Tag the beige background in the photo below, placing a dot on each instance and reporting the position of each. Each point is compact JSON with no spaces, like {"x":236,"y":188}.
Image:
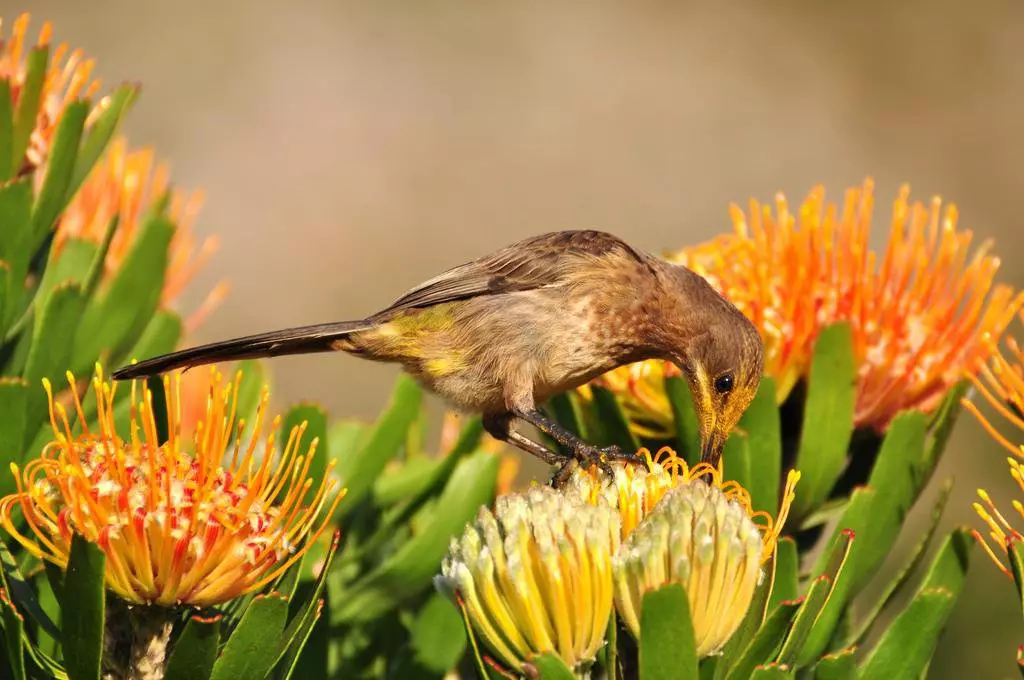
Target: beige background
{"x":350,"y":150}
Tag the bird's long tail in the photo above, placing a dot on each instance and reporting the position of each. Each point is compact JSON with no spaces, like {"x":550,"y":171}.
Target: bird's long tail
{"x":301,"y":340}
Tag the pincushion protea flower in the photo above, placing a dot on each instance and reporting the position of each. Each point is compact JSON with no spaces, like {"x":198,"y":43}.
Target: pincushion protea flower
{"x":1001,"y":385}
{"x":922,"y":312}
{"x":179,"y":524}
{"x":534,"y":576}
{"x":699,"y":537}
{"x":636,"y":491}
{"x":125,"y":184}
{"x":69,"y":77}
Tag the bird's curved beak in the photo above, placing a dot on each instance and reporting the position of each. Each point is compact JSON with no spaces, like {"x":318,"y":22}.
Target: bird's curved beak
{"x":712,"y":450}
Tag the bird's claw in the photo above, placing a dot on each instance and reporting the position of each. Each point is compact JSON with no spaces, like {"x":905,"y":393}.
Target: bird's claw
{"x":603,"y":456}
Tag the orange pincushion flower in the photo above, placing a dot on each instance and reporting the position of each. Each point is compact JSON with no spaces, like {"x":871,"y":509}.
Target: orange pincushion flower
{"x":179,"y":524}
{"x":923,"y":312}
{"x":1001,"y":384}
{"x":67,"y":78}
{"x":125,"y":184}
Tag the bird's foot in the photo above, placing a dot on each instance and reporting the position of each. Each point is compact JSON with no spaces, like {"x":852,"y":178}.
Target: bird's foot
{"x":589,"y":455}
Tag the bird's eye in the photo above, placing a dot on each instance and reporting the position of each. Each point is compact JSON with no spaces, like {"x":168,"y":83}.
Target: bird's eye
{"x":723,"y":383}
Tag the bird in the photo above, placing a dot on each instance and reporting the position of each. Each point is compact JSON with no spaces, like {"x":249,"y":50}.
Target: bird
{"x":499,"y":335}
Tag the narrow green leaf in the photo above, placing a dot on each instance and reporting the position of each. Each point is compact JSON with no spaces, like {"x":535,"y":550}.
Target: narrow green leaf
{"x":302,"y":622}
{"x":99,"y":261}
{"x":411,"y":479}
{"x":437,"y":637}
{"x":805,"y":618}
{"x":786,"y":573}
{"x":841,"y":665}
{"x":359,"y":472}
{"x":6,"y":130}
{"x":28,"y":103}
{"x":940,"y":429}
{"x":411,"y":568}
{"x":610,"y":653}
{"x":902,"y":452}
{"x":736,"y":459}
{"x":1015,"y":553}
{"x":907,"y":645}
{"x":22,"y":593}
{"x":252,"y":649}
{"x":345,"y":437}
{"x":762,"y":649}
{"x":51,"y":349}
{"x":195,"y":650}
{"x":668,"y":648}
{"x":54,"y":195}
{"x":69,"y":264}
{"x":116,"y":319}
{"x":16,"y":245}
{"x":901,"y":578}
{"x":613,"y":420}
{"x":302,"y":637}
{"x":685,"y":416}
{"x":548,"y":667}
{"x":828,"y":417}
{"x":467,"y":627}
{"x":948,"y":569}
{"x":101,"y":131}
{"x":837,"y":563}
{"x":83,"y":610}
{"x":751,"y":623}
{"x":762,"y":425}
{"x":14,"y":630}
{"x":288,"y":582}
{"x":162,"y":334}
{"x":771,"y":672}
{"x":13,"y":404}
{"x":313,"y":439}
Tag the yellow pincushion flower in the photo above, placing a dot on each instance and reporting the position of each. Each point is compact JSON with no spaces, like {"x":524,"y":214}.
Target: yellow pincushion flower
{"x":534,"y":576}
{"x":922,"y":311}
{"x":1001,"y":385}
{"x":180,"y":523}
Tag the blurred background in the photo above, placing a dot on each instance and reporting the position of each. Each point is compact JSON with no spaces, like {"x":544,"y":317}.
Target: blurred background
{"x":349,"y":150}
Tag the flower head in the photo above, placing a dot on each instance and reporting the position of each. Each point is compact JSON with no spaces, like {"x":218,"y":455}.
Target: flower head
{"x":534,"y":576}
{"x":126,"y":184}
{"x":635,"y":492}
{"x":68,"y":77}
{"x":180,"y":524}
{"x":922,"y":312}
{"x":697,"y":536}
{"x":1001,"y":385}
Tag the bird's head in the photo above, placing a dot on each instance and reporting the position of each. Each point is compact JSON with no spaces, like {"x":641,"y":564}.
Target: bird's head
{"x":723,"y":366}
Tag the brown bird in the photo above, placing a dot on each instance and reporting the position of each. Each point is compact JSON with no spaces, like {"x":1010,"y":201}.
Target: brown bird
{"x":499,"y":335}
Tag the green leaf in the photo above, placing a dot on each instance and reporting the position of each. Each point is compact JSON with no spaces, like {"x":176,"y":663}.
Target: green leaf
{"x":467,"y":627}
{"x":762,"y":425}
{"x":69,"y":264}
{"x":941,"y":427}
{"x":411,"y":568}
{"x":116,"y":319}
{"x":901,"y":453}
{"x":302,"y":637}
{"x":564,"y":409}
{"x":359,"y":472}
{"x":736,"y":459}
{"x":828,"y":417}
{"x":302,"y":622}
{"x":1015,"y":552}
{"x":83,"y":610}
{"x":548,"y":667}
{"x":841,"y":665}
{"x":948,"y":569}
{"x":54,"y":194}
{"x":16,"y":244}
{"x":901,"y":578}
{"x":907,"y":645}
{"x":836,"y":562}
{"x":411,"y":479}
{"x":314,"y":435}
{"x":613,"y":421}
{"x":6,"y":130}
{"x":609,"y":654}
{"x":437,"y":637}
{"x":805,"y":619}
{"x":158,"y":398}
{"x":771,"y":672}
{"x":195,"y":650}
{"x":101,"y":131}
{"x":685,"y":416}
{"x":345,"y":436}
{"x":252,"y":649}
{"x":51,"y":349}
{"x":28,"y":103}
{"x":667,"y":645}
{"x":14,"y":629}
{"x":22,"y":593}
{"x":786,"y":573}
{"x":13,"y":404}
{"x":766,"y":642}
{"x":162,"y":334}
{"x":751,"y":623}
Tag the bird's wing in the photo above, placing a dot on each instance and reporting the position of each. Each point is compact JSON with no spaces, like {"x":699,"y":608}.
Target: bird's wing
{"x":533,"y":263}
